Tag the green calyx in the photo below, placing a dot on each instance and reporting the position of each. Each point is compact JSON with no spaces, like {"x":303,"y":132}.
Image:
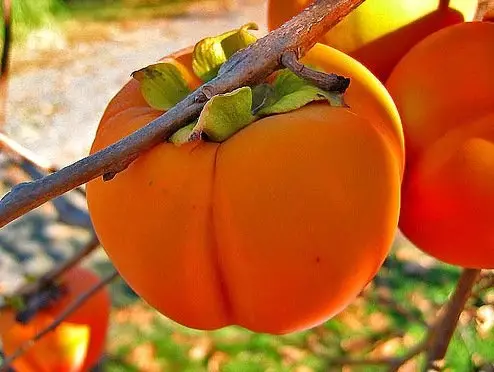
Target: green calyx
{"x":211,"y":52}
{"x":222,"y":116}
{"x":226,"y":114}
{"x":290,"y":92}
{"x":163,"y":86}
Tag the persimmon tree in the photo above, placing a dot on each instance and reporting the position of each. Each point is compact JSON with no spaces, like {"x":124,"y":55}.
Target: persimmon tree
{"x":283,"y":47}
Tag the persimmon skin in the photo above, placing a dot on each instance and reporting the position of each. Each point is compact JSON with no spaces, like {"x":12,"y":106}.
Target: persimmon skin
{"x":443,"y":82}
{"x":448,"y":196}
{"x":253,"y":170}
{"x":379,"y":33}
{"x":212,"y":234}
{"x":443,"y":90}
{"x":366,"y":95}
{"x":94,"y":314}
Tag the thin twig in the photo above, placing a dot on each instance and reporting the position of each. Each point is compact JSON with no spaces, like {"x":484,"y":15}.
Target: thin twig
{"x":16,"y":150}
{"x":445,"y":327}
{"x":37,"y":167}
{"x":64,"y":315}
{"x":58,"y":271}
{"x":325,"y":81}
{"x":391,"y":303}
{"x":394,"y":363}
{"x":67,"y":210}
{"x":438,"y":337}
{"x":5,"y":58}
{"x":47,"y":279}
{"x":249,"y":66}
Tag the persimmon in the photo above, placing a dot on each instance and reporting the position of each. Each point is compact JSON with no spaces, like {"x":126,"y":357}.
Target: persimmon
{"x":379,"y":33}
{"x":275,"y":229}
{"x":77,"y":343}
{"x":443,"y":90}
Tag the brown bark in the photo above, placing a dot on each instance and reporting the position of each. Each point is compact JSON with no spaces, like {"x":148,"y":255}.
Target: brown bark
{"x":246,"y":67}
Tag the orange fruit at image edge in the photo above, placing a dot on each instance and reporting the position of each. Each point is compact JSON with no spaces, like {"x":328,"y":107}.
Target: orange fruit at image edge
{"x":276,"y":229}
{"x":378,"y":33}
{"x":77,"y":344}
{"x":443,"y":89}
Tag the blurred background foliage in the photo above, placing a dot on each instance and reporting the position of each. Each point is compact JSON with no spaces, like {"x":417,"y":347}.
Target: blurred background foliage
{"x":31,"y":15}
{"x":387,"y":320}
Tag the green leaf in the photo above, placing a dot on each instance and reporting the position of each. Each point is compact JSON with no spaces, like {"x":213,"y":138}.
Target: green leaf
{"x":210,"y":53}
{"x":292,"y":92}
{"x":162,"y":85}
{"x":224,"y":115}
{"x":262,"y":95}
{"x":183,"y":134}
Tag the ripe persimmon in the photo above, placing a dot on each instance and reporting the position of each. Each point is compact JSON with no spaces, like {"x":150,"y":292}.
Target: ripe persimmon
{"x":276,"y":229}
{"x":443,"y":90}
{"x":379,"y":32}
{"x":77,"y":343}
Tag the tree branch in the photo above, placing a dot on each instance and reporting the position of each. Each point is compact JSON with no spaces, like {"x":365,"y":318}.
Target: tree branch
{"x":445,"y":327}
{"x":438,"y":337}
{"x":394,"y":363}
{"x":64,"y":315}
{"x":246,"y":67}
{"x":58,"y":271}
{"x":19,"y":151}
{"x":33,"y":288}
{"x":327,"y":82}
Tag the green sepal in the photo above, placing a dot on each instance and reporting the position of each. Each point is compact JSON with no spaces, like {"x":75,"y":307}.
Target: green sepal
{"x":162,"y":85}
{"x":210,"y":53}
{"x":182,"y":135}
{"x":263,"y":95}
{"x":224,"y":115}
{"x":291,"y":92}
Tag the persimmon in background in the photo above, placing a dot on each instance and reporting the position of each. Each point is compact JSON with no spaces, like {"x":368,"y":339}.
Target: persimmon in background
{"x":379,"y":32}
{"x":276,"y":229}
{"x":77,"y":343}
{"x":443,"y":89}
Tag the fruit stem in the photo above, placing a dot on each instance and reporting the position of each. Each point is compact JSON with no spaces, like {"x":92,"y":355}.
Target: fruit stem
{"x":327,"y":82}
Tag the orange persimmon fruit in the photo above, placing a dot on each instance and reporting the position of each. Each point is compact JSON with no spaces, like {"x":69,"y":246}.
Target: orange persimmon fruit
{"x":379,"y":32}
{"x":77,"y":343}
{"x":443,"y":89}
{"x":276,"y":229}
